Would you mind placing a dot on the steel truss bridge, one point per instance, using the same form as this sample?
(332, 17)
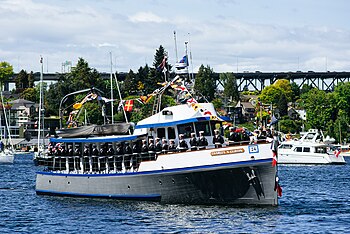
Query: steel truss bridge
(253, 81)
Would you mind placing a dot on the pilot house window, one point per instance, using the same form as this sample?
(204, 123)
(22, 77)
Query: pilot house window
(160, 132)
(185, 129)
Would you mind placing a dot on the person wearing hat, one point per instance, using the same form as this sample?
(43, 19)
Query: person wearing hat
(218, 140)
(144, 150)
(182, 143)
(77, 151)
(151, 149)
(193, 141)
(202, 141)
(233, 137)
(158, 146)
(165, 146)
(127, 155)
(172, 146)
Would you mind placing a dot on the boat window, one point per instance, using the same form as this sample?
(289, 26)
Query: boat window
(306, 149)
(320, 150)
(203, 126)
(286, 146)
(298, 149)
(310, 136)
(160, 132)
(185, 129)
(171, 133)
(216, 125)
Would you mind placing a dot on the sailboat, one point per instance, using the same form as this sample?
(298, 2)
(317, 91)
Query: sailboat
(6, 153)
(39, 149)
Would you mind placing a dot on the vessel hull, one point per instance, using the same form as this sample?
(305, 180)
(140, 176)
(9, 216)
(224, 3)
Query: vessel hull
(227, 184)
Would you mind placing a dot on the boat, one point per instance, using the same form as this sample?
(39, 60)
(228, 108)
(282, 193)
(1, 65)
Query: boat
(311, 148)
(6, 151)
(118, 167)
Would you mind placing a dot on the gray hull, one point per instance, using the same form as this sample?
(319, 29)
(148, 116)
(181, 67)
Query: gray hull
(250, 182)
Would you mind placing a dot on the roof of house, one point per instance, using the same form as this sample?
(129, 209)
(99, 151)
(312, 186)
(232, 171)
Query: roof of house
(21, 102)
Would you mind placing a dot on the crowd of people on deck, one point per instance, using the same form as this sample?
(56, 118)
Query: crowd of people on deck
(130, 154)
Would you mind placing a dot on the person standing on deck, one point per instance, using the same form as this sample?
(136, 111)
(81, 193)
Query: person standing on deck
(218, 140)
(202, 141)
(182, 143)
(193, 141)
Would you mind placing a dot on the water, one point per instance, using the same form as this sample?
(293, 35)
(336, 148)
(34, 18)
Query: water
(315, 199)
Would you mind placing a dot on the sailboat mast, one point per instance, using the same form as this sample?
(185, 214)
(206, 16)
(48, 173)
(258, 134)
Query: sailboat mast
(112, 112)
(40, 100)
(175, 46)
(120, 96)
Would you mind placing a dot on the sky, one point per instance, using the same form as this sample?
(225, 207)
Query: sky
(227, 35)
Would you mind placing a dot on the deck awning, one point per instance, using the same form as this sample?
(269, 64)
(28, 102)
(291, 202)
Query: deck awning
(97, 139)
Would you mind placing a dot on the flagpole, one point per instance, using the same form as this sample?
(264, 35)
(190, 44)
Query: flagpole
(120, 96)
(189, 41)
(112, 112)
(175, 46)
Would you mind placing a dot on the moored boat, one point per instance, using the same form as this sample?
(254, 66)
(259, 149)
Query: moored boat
(126, 167)
(312, 148)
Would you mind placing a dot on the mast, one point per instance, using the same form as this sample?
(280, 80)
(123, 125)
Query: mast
(120, 96)
(112, 112)
(6, 122)
(40, 100)
(192, 74)
(175, 46)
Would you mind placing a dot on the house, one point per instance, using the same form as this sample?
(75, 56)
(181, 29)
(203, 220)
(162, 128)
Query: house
(248, 110)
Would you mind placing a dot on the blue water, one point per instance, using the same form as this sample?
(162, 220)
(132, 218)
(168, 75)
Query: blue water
(315, 199)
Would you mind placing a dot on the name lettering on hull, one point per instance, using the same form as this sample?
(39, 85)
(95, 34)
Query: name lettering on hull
(223, 152)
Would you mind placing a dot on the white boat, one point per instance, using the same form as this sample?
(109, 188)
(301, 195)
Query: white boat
(6, 156)
(312, 148)
(6, 152)
(233, 174)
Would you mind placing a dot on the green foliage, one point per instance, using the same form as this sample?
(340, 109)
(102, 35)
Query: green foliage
(217, 103)
(29, 94)
(6, 71)
(205, 83)
(129, 85)
(230, 86)
(282, 105)
(288, 125)
(296, 91)
(273, 93)
(21, 81)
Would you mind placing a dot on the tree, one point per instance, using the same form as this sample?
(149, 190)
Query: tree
(318, 109)
(130, 84)
(296, 91)
(81, 77)
(29, 94)
(286, 87)
(271, 94)
(21, 81)
(282, 105)
(6, 71)
(230, 86)
(205, 85)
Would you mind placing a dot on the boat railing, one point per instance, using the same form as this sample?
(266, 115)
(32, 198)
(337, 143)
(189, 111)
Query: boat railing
(116, 163)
